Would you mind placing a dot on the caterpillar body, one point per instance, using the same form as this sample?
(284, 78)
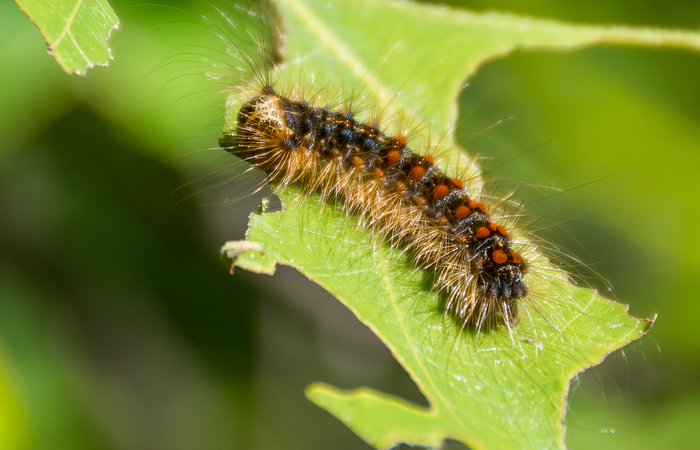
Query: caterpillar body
(395, 190)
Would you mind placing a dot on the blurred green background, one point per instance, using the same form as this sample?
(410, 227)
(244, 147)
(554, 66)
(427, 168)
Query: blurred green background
(120, 328)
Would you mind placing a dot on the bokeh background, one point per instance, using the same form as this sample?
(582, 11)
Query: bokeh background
(121, 329)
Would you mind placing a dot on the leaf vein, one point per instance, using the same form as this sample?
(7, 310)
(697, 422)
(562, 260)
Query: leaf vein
(69, 23)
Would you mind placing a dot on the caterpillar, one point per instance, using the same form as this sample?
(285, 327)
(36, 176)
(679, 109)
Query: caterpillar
(398, 192)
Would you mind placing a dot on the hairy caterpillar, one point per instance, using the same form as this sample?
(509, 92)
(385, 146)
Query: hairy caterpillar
(400, 193)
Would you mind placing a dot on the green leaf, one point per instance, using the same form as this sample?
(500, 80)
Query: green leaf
(493, 393)
(76, 31)
(497, 390)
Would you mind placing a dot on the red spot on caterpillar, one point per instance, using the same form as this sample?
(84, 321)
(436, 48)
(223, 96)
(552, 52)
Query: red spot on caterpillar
(417, 173)
(461, 212)
(357, 161)
(458, 183)
(392, 157)
(493, 226)
(400, 139)
(440, 191)
(477, 205)
(503, 231)
(515, 257)
(378, 173)
(499, 256)
(482, 232)
(429, 159)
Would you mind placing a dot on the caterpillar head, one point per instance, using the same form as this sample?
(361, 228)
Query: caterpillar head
(263, 114)
(261, 122)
